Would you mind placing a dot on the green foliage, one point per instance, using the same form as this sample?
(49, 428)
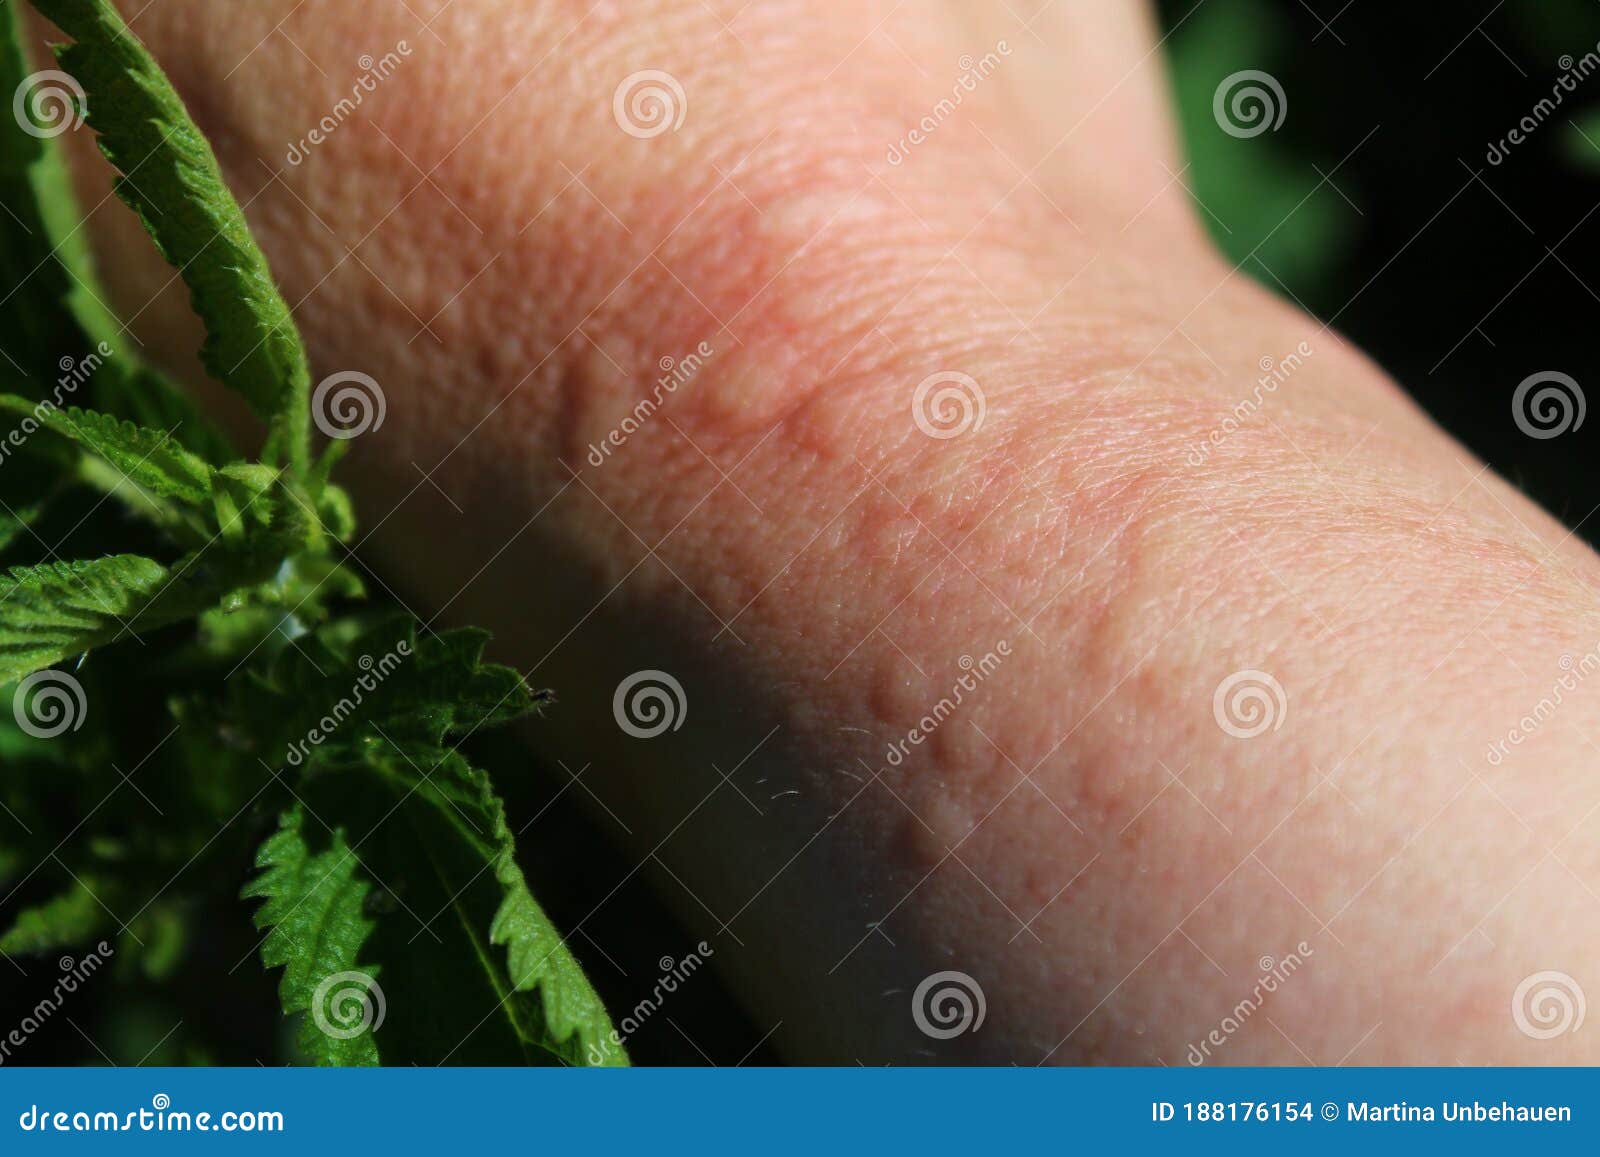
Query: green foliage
(55, 318)
(1263, 204)
(228, 609)
(57, 609)
(251, 342)
(314, 910)
(40, 316)
(150, 459)
(398, 702)
(71, 917)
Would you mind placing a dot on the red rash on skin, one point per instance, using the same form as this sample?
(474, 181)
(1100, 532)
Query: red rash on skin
(1081, 836)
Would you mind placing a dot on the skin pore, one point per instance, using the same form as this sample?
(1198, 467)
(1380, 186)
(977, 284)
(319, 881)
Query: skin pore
(1080, 833)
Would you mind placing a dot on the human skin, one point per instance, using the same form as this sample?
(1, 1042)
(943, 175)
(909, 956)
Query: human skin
(1080, 836)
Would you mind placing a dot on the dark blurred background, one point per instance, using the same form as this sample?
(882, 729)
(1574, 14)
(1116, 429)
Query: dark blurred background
(1374, 203)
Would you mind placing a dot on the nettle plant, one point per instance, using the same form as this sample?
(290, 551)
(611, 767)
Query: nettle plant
(179, 623)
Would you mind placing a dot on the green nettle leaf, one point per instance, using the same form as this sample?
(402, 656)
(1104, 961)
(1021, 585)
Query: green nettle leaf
(316, 921)
(140, 394)
(56, 610)
(354, 681)
(67, 920)
(385, 703)
(538, 986)
(251, 342)
(59, 609)
(152, 459)
(54, 316)
(273, 690)
(36, 323)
